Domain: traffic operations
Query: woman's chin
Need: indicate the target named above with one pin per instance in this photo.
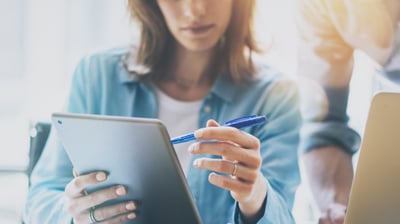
(199, 46)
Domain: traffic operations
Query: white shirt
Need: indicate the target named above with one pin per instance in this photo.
(180, 117)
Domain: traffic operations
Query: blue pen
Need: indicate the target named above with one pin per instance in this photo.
(241, 122)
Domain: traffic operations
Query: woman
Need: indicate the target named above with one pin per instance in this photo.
(194, 62)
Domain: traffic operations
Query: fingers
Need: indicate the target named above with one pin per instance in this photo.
(79, 204)
(96, 198)
(79, 208)
(323, 219)
(124, 212)
(80, 183)
(212, 123)
(231, 184)
(231, 134)
(228, 167)
(335, 214)
(231, 143)
(240, 158)
(118, 213)
(229, 151)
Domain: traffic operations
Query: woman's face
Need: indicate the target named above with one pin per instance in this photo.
(197, 25)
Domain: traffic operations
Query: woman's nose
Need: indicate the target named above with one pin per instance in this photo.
(195, 8)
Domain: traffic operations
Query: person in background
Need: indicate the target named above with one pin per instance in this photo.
(195, 65)
(330, 31)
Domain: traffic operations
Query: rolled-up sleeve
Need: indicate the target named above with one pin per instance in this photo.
(326, 61)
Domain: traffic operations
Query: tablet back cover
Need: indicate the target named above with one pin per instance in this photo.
(135, 152)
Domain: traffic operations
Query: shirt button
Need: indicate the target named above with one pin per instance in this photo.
(207, 109)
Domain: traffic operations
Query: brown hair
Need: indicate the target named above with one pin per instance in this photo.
(239, 40)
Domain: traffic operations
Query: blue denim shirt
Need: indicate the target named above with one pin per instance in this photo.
(104, 84)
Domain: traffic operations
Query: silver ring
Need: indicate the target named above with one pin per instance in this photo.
(235, 165)
(92, 219)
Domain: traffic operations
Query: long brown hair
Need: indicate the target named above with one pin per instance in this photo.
(239, 39)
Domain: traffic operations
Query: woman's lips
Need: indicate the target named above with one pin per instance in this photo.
(198, 30)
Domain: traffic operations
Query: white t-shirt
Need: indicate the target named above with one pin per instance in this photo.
(180, 117)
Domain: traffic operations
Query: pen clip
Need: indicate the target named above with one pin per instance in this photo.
(239, 119)
(246, 121)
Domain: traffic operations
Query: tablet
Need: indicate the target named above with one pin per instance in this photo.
(135, 152)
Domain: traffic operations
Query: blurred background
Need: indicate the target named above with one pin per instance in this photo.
(41, 42)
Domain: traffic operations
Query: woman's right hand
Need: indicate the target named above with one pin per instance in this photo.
(79, 204)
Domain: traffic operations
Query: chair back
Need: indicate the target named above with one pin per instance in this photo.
(38, 138)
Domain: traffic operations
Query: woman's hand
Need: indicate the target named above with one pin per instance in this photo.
(80, 204)
(241, 160)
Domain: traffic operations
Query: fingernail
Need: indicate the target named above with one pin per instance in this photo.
(131, 216)
(100, 176)
(130, 206)
(196, 163)
(211, 176)
(75, 172)
(193, 147)
(198, 133)
(120, 191)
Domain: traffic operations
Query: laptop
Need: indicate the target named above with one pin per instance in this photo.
(375, 193)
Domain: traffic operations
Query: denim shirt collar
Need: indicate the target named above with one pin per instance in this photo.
(129, 69)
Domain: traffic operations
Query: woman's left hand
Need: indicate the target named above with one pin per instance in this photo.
(241, 160)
